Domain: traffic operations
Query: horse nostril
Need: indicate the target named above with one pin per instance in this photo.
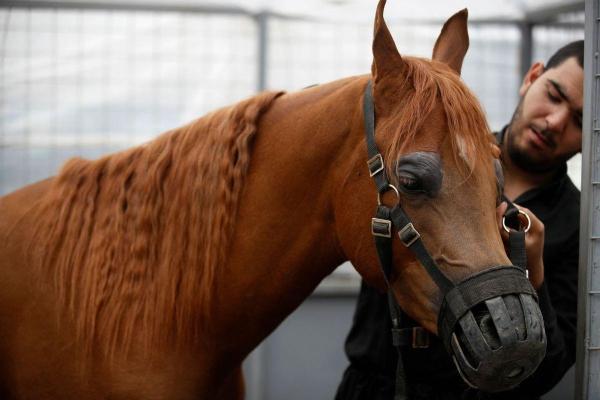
(515, 372)
(486, 324)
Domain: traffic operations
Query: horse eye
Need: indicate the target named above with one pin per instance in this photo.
(408, 183)
(419, 173)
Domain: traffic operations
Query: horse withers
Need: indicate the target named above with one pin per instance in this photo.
(153, 272)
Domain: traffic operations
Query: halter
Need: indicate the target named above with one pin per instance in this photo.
(458, 298)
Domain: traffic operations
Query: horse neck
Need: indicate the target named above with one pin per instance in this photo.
(285, 242)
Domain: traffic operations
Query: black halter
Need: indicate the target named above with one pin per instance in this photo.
(458, 299)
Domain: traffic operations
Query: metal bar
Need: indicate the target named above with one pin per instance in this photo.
(262, 21)
(548, 13)
(190, 7)
(142, 6)
(584, 389)
(128, 6)
(525, 56)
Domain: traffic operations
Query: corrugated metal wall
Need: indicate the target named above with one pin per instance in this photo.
(588, 345)
(86, 81)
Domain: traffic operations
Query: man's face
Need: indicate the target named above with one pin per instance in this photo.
(546, 128)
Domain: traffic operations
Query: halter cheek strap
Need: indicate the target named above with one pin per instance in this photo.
(386, 219)
(516, 234)
(382, 226)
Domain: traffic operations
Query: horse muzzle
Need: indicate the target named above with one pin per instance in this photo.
(492, 326)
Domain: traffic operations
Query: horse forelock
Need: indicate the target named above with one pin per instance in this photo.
(433, 83)
(133, 242)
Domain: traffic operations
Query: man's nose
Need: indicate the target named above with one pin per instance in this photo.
(557, 120)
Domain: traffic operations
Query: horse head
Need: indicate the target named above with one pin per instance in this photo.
(432, 163)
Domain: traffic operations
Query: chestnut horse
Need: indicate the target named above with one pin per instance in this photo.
(153, 272)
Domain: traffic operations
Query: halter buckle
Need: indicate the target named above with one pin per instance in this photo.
(375, 165)
(420, 338)
(381, 227)
(408, 235)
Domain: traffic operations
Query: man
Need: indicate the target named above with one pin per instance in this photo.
(544, 133)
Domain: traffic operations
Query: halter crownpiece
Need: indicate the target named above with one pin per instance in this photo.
(490, 322)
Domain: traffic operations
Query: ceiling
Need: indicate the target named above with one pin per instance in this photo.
(355, 10)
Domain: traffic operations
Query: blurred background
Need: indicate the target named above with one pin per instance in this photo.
(85, 78)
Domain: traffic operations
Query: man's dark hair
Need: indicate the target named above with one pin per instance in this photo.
(573, 49)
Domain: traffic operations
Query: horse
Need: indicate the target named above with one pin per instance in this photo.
(151, 273)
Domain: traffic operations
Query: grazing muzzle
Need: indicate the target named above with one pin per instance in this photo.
(491, 325)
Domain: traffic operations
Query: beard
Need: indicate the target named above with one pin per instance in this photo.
(521, 157)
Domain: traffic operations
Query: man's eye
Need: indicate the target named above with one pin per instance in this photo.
(553, 98)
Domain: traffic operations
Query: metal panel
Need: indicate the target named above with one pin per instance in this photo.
(588, 343)
(303, 358)
(84, 82)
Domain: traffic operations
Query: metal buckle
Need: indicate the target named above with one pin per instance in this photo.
(420, 338)
(387, 189)
(526, 218)
(381, 227)
(408, 235)
(375, 165)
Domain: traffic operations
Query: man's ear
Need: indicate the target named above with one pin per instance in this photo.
(535, 71)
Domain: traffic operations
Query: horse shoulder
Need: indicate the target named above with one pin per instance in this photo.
(17, 226)
(16, 210)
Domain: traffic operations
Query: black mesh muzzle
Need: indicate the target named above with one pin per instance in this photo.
(492, 326)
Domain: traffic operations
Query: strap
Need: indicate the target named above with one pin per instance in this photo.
(383, 242)
(516, 237)
(414, 242)
(375, 161)
(516, 249)
(476, 289)
(400, 392)
(395, 315)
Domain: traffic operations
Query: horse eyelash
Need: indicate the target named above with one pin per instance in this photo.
(406, 181)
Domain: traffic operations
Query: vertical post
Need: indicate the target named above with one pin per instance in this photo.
(525, 56)
(587, 380)
(262, 23)
(255, 364)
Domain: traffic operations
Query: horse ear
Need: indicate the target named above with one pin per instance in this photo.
(386, 59)
(453, 42)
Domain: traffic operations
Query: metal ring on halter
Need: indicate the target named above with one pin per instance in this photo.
(389, 186)
(507, 229)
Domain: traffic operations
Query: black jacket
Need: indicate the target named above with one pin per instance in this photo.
(430, 372)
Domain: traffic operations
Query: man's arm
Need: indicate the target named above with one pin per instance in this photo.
(553, 273)
(558, 303)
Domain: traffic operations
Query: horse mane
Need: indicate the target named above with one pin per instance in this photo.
(132, 241)
(430, 82)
